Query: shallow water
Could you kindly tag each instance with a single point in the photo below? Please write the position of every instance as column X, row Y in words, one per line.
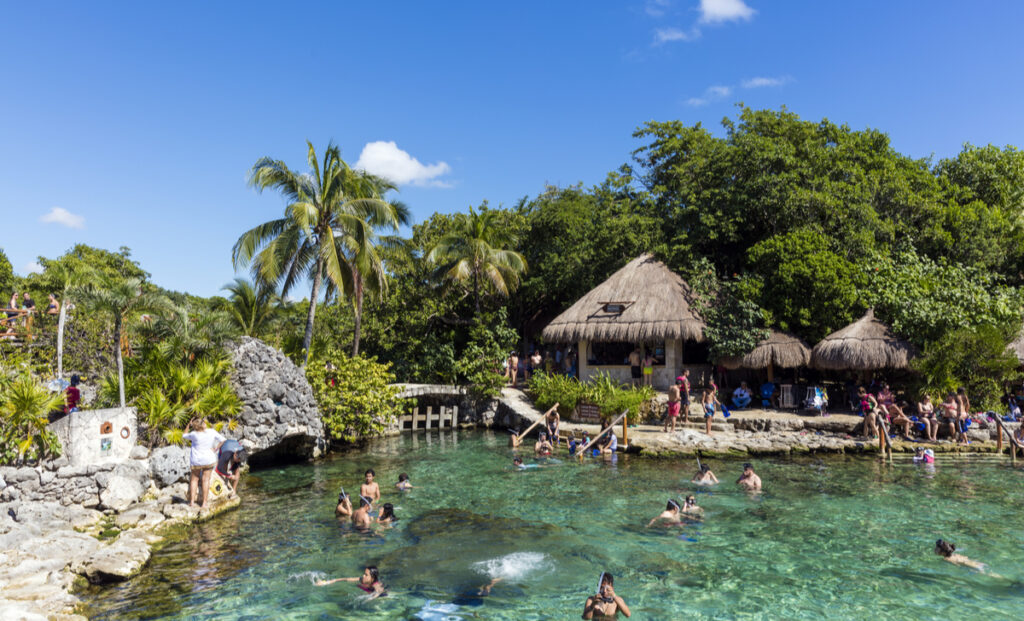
column 836, row 537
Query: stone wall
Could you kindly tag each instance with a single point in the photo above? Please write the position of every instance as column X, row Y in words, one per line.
column 97, row 436
column 279, row 419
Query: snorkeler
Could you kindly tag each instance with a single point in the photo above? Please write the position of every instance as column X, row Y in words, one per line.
column 513, row 438
column 704, row 476
column 361, row 516
column 542, row 447
column 370, row 489
column 387, row 514
column 517, row 462
column 749, row 479
column 690, row 506
column 605, row 603
column 924, row 456
column 403, row 483
column 948, row 552
column 369, row 582
column 669, row 516
column 344, row 508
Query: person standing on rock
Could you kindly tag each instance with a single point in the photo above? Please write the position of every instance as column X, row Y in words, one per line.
column 673, row 406
column 709, row 401
column 513, row 368
column 203, row 458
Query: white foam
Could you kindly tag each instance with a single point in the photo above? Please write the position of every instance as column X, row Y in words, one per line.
column 312, row 576
column 515, row 566
column 437, row 611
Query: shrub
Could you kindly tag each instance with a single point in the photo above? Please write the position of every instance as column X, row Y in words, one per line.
column 355, row 396
column 608, row 394
column 548, row 390
column 24, row 408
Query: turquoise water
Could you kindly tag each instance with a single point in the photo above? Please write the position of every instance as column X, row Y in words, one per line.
column 836, row 537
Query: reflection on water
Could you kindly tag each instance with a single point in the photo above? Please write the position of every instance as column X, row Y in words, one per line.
column 840, row 537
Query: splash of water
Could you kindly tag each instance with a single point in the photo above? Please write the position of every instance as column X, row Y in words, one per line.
column 514, row 566
column 312, row 576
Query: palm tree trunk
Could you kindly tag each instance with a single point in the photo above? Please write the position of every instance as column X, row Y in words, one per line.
column 120, row 360
column 308, row 338
column 476, row 290
column 61, row 318
column 359, row 313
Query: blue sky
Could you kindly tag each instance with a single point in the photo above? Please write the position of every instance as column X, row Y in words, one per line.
column 134, row 124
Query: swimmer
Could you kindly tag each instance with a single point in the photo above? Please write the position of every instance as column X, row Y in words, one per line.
column 517, row 462
column 948, row 552
column 344, row 508
column 749, row 479
column 690, row 506
column 369, row 582
column 669, row 516
column 924, row 456
column 704, row 476
column 542, row 447
column 605, row 603
column 573, row 445
column 387, row 515
column 370, row 489
column 403, row 483
column 361, row 516
column 513, row 438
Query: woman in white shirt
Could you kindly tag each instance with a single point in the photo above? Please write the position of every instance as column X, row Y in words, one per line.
column 202, row 457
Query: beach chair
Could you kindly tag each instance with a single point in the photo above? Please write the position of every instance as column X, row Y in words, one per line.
column 817, row 399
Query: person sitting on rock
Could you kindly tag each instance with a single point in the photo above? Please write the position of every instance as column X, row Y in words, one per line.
column 741, row 396
column 669, row 516
column 704, row 476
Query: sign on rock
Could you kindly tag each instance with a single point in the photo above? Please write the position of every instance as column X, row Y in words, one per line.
column 587, row 413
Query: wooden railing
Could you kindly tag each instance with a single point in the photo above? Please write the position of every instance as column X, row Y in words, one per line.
column 1014, row 445
column 10, row 318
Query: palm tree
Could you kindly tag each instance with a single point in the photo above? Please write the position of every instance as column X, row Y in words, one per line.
column 184, row 336
column 329, row 202
column 66, row 274
column 120, row 297
column 251, row 308
column 24, row 412
column 476, row 251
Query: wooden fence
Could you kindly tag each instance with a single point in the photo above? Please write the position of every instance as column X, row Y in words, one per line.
column 430, row 419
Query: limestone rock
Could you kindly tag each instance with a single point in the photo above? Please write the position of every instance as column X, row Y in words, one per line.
column 140, row 517
column 120, row 492
column 139, row 452
column 169, row 465
column 115, row 562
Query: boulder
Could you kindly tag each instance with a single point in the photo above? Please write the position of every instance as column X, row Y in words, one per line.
column 169, row 465
column 118, row 561
column 279, row 418
column 120, row 492
column 139, row 452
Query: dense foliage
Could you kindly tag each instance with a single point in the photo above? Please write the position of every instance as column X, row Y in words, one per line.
column 610, row 396
column 355, row 394
column 24, row 408
column 972, row 358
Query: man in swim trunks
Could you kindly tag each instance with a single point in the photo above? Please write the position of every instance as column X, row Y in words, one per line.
column 361, row 516
column 669, row 516
column 513, row 438
column 709, row 400
column 749, row 479
column 605, row 603
column 370, row 489
column 674, row 405
column 635, row 373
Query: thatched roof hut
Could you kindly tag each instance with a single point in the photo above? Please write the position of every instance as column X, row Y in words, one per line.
column 643, row 302
column 778, row 350
column 864, row 345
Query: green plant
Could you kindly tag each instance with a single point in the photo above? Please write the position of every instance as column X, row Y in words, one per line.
column 547, row 390
column 735, row 324
column 602, row 390
column 24, row 409
column 355, row 395
column 490, row 340
column 973, row 358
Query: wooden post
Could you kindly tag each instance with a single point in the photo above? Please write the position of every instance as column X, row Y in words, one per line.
column 430, row 413
column 455, row 417
column 999, row 439
column 415, row 417
column 625, row 431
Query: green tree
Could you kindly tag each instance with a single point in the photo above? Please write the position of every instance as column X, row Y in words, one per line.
column 478, row 252
column 735, row 323
column 6, row 278
column 119, row 298
column 975, row 358
column 252, row 308
column 66, row 275
column 332, row 201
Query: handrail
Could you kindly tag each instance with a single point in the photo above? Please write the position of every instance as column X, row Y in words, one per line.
column 884, row 442
column 1014, row 445
column 542, row 418
column 604, row 431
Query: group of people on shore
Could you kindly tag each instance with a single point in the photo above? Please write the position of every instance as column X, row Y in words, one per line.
column 558, row 362
column 953, row 414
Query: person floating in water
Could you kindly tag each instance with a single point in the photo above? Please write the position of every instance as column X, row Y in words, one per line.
column 690, row 506
column 403, row 484
column 361, row 517
column 924, row 456
column 369, row 582
column 344, row 508
column 542, row 447
column 370, row 489
column 948, row 552
column 749, row 479
column 387, row 515
column 704, row 476
column 669, row 516
column 517, row 462
column 605, row 603
column 513, row 438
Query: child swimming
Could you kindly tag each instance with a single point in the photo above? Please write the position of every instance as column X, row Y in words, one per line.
column 948, row 552
column 605, row 603
column 387, row 515
column 403, row 483
column 369, row 582
column 542, row 447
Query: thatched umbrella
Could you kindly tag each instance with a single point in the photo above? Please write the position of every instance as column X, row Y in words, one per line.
column 864, row 345
column 643, row 302
column 778, row 350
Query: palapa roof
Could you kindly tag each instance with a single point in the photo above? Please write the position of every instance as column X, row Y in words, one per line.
column 657, row 307
column 778, row 350
column 861, row 346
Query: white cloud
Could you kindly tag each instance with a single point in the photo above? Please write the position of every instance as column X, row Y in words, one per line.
column 666, row 35
column 696, row 101
column 387, row 160
column 715, row 11
column 711, row 93
column 33, row 268
column 762, row 82
column 59, row 215
column 719, row 91
column 656, row 8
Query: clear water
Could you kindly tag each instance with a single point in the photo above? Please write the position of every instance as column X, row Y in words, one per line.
column 841, row 538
